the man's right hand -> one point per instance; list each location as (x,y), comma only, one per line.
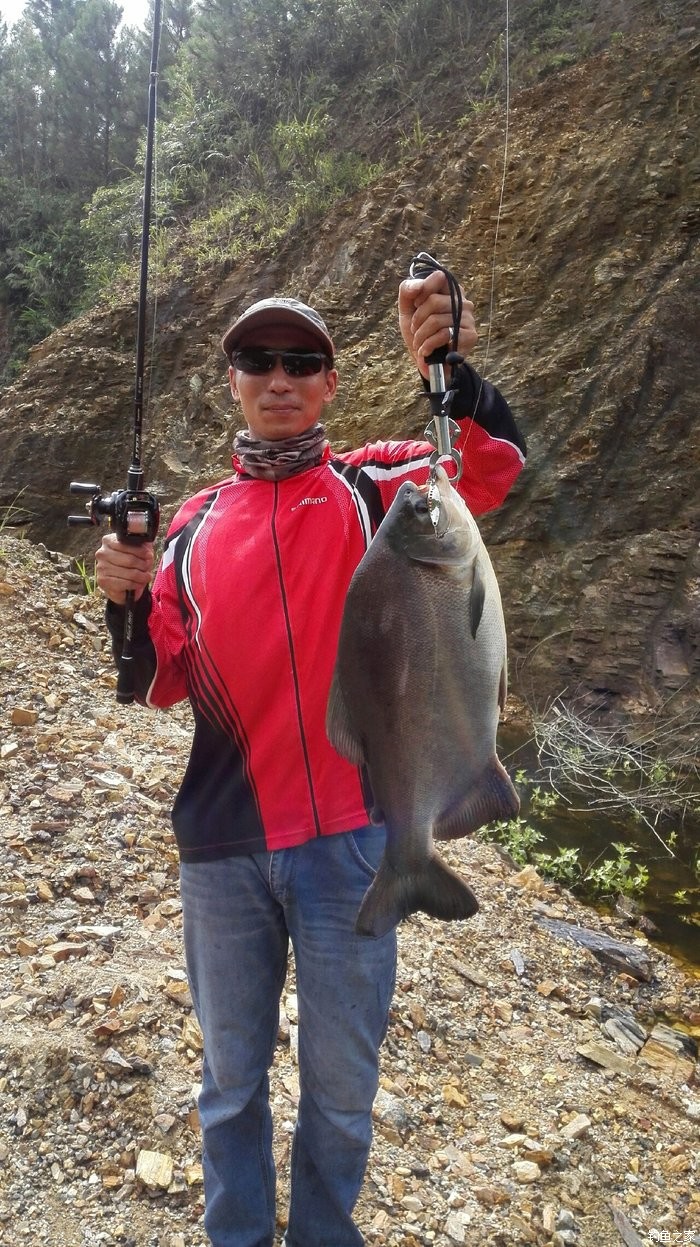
(121,567)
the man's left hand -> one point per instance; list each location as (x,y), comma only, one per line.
(425,319)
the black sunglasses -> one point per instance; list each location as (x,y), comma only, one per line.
(256,361)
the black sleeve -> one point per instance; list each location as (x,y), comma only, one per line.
(143,649)
(479,400)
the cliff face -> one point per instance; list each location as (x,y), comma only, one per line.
(593,338)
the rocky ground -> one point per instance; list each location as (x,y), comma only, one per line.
(524,1098)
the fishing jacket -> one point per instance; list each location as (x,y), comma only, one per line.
(243,619)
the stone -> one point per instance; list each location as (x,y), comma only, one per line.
(454,1097)
(192,1033)
(65,949)
(671,1051)
(154,1169)
(526,1171)
(455,1227)
(22,717)
(600,1054)
(578,1126)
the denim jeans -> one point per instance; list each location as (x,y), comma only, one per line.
(239,915)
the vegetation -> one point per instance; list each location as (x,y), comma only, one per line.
(87,575)
(599,880)
(618,799)
(614,773)
(268,111)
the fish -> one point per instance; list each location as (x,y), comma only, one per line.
(419,681)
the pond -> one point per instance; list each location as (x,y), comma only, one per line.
(592,816)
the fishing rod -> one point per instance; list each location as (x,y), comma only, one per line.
(442,430)
(132,513)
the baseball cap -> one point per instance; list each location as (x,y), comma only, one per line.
(278,311)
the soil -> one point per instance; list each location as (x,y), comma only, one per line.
(523,1098)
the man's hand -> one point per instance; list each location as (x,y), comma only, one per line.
(121,567)
(425,319)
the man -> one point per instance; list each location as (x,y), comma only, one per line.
(272,825)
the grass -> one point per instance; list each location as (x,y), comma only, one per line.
(89,578)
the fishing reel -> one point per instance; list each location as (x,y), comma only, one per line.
(133,513)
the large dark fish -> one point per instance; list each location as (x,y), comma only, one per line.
(419,680)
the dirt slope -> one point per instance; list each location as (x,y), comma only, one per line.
(593,338)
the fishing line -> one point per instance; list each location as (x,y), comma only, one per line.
(421,266)
(499,213)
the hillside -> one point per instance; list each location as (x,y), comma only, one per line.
(593,338)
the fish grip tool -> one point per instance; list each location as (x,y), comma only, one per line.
(441,430)
(133,513)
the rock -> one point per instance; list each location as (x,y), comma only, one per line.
(21,717)
(454,1097)
(66,949)
(83,896)
(566,1220)
(512,1121)
(529,881)
(518,961)
(579,1125)
(455,1227)
(526,1171)
(671,1051)
(115,1063)
(155,1170)
(600,1054)
(192,1033)
(626,1230)
(390,1112)
(618,954)
(623,1028)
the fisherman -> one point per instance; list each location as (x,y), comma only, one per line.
(272,825)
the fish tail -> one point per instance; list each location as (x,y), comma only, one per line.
(435,889)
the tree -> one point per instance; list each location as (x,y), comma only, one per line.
(72,110)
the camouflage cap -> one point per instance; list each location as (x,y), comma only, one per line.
(278,311)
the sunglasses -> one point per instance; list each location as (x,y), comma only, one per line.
(256,361)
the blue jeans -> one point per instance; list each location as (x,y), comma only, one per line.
(239,915)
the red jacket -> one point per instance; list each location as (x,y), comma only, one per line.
(244,618)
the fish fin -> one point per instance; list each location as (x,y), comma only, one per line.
(492,797)
(503,687)
(339,729)
(436,890)
(476,600)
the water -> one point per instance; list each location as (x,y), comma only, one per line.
(671,899)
